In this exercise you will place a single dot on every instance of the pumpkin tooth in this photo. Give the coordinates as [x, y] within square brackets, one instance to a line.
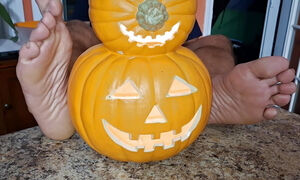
[167, 139]
[147, 142]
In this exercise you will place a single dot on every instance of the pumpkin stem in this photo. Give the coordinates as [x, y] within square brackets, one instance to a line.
[152, 15]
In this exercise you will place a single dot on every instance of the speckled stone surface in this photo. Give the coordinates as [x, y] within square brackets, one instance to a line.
[270, 150]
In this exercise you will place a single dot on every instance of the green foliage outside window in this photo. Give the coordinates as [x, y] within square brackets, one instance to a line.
[6, 17]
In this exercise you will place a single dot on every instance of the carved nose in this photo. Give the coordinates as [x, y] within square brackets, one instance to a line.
[156, 116]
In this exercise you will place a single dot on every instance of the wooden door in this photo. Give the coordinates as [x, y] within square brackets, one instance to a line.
[14, 114]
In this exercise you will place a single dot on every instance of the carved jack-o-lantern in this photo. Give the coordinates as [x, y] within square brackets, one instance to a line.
[142, 27]
[139, 108]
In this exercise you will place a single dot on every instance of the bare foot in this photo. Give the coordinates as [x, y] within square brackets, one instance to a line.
[43, 72]
[246, 94]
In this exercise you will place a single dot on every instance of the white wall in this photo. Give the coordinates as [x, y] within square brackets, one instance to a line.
[15, 9]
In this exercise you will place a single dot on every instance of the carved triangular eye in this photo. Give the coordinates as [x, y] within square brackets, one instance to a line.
[128, 90]
[180, 87]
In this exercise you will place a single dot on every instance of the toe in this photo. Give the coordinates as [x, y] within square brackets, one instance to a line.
[281, 99]
[286, 76]
[28, 52]
[287, 89]
[270, 113]
[268, 67]
[40, 33]
[42, 4]
[55, 8]
[271, 81]
[49, 21]
[274, 90]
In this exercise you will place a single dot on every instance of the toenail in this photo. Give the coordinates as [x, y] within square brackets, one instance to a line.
[293, 70]
[39, 43]
[273, 106]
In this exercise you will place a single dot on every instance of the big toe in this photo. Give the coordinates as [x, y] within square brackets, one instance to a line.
[44, 28]
[55, 8]
[268, 67]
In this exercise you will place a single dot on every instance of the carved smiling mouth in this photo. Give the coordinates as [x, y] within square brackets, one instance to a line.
[146, 142]
[159, 40]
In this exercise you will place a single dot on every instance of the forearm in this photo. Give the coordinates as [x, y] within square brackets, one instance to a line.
[215, 52]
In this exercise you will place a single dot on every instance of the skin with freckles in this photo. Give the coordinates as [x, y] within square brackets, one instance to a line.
[242, 94]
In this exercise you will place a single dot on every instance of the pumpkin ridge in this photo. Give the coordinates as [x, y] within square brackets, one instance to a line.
[111, 10]
[205, 75]
[122, 74]
[178, 14]
[172, 3]
[132, 3]
[185, 77]
[179, 144]
[183, 72]
[199, 67]
[196, 60]
[183, 3]
[99, 16]
[95, 5]
[79, 125]
[190, 140]
[116, 20]
[113, 61]
[178, 51]
[83, 57]
[115, 39]
[83, 94]
[150, 72]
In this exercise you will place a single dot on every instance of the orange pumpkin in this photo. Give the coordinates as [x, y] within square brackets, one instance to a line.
[142, 27]
[137, 108]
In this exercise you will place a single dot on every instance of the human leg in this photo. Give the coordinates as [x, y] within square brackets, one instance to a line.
[244, 93]
[215, 52]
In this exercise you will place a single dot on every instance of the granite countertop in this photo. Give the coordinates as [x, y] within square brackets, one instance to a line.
[270, 150]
